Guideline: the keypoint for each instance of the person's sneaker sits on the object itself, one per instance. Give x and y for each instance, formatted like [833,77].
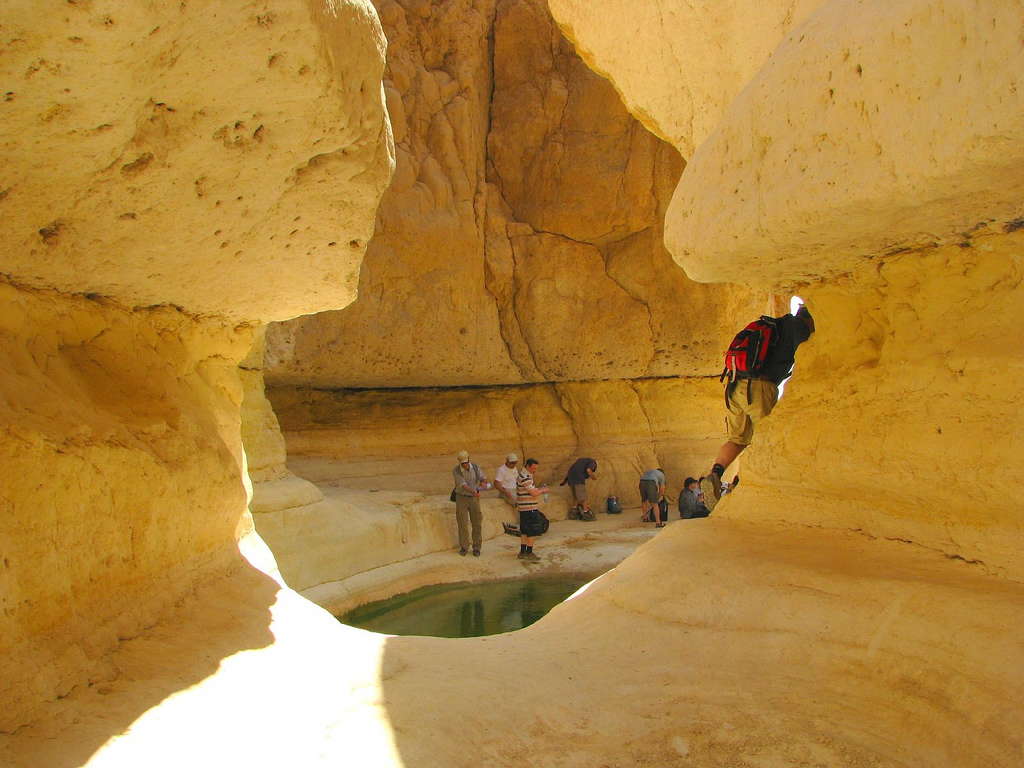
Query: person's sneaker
[532,556]
[463,552]
[712,488]
[522,555]
[476,553]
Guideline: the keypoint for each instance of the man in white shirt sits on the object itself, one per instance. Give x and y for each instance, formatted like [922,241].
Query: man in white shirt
[505,479]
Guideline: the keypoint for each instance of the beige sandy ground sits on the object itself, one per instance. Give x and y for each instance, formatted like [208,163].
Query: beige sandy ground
[717,643]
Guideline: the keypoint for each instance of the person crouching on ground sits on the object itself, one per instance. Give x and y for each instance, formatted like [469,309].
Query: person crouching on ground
[530,524]
[505,479]
[468,479]
[583,469]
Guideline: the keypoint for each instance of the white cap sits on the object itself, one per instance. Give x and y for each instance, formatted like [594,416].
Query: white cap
[512,457]
[463,456]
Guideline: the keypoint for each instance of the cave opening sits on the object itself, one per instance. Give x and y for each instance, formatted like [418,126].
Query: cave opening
[795,302]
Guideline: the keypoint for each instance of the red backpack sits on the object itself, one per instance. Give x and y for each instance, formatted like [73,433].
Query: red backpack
[750,349]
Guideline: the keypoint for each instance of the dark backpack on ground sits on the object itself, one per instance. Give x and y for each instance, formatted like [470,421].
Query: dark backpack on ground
[612,506]
[750,350]
[578,513]
[658,512]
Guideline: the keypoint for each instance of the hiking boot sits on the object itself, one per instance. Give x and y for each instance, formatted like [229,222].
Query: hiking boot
[522,555]
[532,556]
[463,552]
[712,488]
[476,553]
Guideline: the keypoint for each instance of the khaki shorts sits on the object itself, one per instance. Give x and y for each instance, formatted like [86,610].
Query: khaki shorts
[742,417]
[579,492]
[649,491]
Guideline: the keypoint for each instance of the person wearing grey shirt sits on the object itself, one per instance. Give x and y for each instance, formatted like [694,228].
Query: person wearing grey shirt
[652,489]
[468,480]
[690,503]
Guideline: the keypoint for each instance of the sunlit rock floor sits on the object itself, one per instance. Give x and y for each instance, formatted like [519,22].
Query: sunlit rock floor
[716,643]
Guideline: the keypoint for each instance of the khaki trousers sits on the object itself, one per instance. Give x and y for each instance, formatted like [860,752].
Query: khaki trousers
[467,510]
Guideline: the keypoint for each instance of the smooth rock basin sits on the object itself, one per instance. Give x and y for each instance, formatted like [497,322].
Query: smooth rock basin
[465,610]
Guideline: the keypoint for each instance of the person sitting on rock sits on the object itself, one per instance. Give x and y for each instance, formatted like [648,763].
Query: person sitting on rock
[505,479]
[750,398]
[691,503]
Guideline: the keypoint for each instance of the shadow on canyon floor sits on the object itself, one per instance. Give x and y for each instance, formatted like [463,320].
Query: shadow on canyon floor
[220,619]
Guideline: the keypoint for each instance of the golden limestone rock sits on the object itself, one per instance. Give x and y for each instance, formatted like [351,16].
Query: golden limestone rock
[678,64]
[521,238]
[172,175]
[860,139]
[229,172]
[177,174]
[870,164]
[536,275]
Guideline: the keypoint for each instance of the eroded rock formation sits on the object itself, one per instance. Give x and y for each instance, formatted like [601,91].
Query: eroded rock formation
[679,65]
[172,175]
[541,264]
[837,148]
[887,189]
[858,603]
[525,199]
[122,178]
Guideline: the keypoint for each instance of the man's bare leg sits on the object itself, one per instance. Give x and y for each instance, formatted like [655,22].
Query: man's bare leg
[727,454]
[711,485]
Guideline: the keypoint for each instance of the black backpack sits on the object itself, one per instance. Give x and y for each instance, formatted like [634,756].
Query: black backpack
[658,513]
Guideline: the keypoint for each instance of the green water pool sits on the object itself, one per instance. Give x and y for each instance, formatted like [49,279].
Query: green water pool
[465,610]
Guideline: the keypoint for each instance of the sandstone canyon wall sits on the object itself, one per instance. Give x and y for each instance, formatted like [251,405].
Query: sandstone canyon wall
[518,251]
[172,175]
[679,65]
[859,602]
[873,164]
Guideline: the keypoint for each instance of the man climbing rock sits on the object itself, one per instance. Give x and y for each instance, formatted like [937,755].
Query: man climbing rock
[760,358]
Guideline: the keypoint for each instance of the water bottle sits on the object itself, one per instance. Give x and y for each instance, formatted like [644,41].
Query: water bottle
[545,496]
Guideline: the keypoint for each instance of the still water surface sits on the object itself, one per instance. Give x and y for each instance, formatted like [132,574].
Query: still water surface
[465,610]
